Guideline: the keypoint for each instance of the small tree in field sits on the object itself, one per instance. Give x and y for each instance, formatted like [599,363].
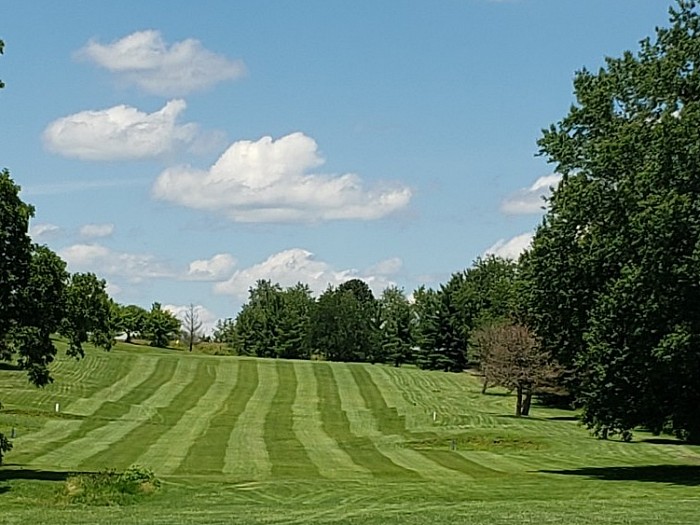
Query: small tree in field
[191,326]
[512,357]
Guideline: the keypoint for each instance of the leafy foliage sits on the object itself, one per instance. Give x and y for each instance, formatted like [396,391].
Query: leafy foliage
[130,319]
[343,324]
[87,314]
[161,326]
[613,276]
[395,326]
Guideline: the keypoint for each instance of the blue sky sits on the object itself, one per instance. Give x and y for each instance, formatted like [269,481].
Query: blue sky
[183,150]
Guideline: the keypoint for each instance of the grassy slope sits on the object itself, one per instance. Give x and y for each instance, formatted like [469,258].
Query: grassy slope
[260,441]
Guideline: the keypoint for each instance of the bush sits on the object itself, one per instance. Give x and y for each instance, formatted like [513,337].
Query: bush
[109,487]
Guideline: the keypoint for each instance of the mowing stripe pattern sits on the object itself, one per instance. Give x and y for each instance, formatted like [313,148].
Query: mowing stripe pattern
[246,455]
[173,444]
[102,438]
[328,456]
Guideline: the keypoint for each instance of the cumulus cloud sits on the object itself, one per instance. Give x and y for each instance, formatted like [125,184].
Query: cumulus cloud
[271,181]
[296,265]
[106,262]
[42,231]
[120,133]
[217,268]
[207,318]
[531,200]
[510,248]
[93,231]
[145,60]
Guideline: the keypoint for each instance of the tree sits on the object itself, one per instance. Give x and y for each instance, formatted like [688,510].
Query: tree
[395,326]
[257,323]
[612,283]
[294,321]
[87,314]
[439,341]
[42,305]
[511,356]
[224,331]
[341,325]
[131,320]
[161,326]
[191,326]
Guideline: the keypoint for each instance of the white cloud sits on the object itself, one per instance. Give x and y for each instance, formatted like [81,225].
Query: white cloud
[93,231]
[296,265]
[106,262]
[530,200]
[144,59]
[120,133]
[269,181]
[510,248]
[207,318]
[42,231]
[113,290]
[217,268]
[387,267]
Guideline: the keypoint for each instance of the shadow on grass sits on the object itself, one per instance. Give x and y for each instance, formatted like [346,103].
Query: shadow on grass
[564,418]
[663,441]
[10,366]
[688,475]
[10,474]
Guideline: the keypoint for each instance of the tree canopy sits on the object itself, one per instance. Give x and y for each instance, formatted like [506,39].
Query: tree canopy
[614,271]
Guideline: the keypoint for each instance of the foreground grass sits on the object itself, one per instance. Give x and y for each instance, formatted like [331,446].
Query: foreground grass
[240,440]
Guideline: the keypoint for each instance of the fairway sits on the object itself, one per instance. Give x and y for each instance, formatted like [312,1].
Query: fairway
[275,441]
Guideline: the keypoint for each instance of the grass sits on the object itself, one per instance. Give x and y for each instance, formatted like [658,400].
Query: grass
[241,440]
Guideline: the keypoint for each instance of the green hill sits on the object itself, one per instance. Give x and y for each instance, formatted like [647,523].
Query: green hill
[241,440]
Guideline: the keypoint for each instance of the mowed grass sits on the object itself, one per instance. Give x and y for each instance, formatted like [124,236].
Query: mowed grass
[242,440]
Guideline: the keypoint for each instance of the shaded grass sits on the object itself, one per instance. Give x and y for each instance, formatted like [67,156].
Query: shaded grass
[672,474]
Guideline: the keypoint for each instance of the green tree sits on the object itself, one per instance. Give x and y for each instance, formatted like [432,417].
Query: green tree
[131,320]
[258,322]
[439,341]
[612,283]
[294,322]
[224,331]
[395,326]
[161,326]
[87,314]
[342,328]
[42,310]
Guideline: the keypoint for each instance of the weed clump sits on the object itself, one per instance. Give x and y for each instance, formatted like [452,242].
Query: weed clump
[109,487]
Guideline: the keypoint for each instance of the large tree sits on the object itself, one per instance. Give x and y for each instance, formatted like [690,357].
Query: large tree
[613,277]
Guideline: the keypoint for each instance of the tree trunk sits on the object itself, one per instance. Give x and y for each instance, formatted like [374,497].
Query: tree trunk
[484,386]
[519,403]
[527,402]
